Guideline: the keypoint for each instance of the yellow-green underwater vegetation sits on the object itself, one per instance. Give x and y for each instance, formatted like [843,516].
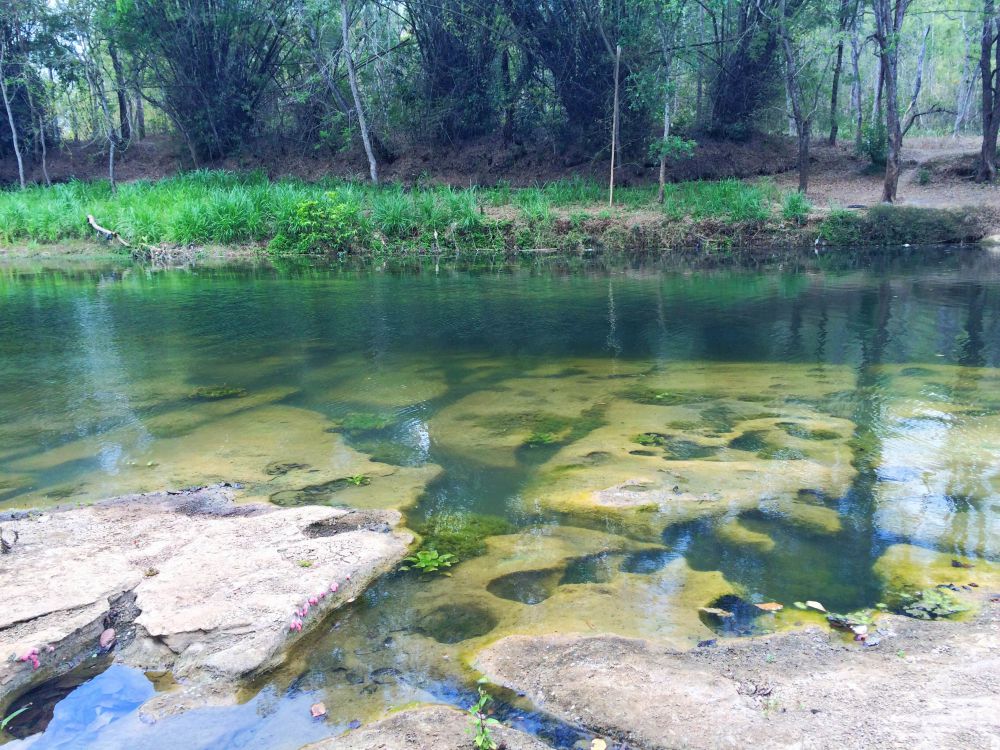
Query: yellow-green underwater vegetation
[632,449]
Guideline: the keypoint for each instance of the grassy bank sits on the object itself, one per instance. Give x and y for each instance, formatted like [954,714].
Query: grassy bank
[290,216]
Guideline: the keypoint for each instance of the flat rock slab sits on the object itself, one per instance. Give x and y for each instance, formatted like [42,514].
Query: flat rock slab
[191,582]
[427,728]
[926,685]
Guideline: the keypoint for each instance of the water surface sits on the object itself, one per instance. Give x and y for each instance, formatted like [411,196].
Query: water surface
[607,447]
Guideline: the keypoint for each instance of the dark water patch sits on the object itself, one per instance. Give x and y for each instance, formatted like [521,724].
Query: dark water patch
[280,468]
[454,623]
[596,568]
[217,392]
[678,449]
[643,453]
[317,494]
[803,432]
[647,561]
[730,615]
[751,441]
[527,586]
[917,372]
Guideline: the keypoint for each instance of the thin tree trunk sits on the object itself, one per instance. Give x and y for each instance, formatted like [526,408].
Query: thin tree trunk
[507,130]
[124,128]
[888,25]
[964,88]
[990,75]
[856,87]
[666,42]
[111,165]
[353,78]
[793,93]
[140,115]
[614,129]
[13,125]
[45,154]
[837,66]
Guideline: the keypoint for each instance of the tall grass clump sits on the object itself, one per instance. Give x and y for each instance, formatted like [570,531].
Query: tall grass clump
[729,199]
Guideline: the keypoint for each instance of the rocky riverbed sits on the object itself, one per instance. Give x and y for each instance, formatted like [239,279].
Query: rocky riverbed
[188,582]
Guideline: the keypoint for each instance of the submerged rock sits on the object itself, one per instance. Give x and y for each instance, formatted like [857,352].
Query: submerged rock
[231,593]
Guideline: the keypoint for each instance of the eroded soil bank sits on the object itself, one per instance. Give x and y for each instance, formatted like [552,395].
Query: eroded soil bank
[187,582]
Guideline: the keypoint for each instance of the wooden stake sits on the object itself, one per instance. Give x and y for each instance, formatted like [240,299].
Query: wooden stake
[614,128]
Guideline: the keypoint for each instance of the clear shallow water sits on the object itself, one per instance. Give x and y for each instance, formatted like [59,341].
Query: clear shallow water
[625,444]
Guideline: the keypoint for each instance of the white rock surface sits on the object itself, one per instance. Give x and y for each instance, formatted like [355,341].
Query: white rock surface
[191,582]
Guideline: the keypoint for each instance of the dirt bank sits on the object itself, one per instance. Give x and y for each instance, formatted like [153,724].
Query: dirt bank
[190,582]
[925,685]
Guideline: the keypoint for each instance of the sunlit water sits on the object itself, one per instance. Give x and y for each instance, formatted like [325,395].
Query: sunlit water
[624,443]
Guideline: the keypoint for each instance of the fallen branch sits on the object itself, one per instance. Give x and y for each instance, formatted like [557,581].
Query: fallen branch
[912,117]
[107,235]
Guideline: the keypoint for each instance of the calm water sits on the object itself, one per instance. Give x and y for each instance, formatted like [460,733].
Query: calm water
[609,448]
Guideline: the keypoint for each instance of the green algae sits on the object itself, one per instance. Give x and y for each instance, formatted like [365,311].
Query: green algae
[802,432]
[217,392]
[752,441]
[317,494]
[653,396]
[462,534]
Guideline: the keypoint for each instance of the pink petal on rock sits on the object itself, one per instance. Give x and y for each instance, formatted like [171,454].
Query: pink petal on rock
[313,600]
[318,710]
[107,639]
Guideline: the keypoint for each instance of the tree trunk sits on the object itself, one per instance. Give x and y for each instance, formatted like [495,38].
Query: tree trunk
[13,125]
[353,78]
[140,115]
[856,87]
[614,129]
[124,128]
[888,25]
[45,153]
[111,165]
[805,134]
[507,130]
[990,75]
[837,66]
[666,42]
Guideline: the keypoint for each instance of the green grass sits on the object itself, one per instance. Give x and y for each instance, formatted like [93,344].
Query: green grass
[225,208]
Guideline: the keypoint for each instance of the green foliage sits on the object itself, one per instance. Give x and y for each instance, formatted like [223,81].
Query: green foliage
[924,176]
[324,225]
[429,561]
[930,604]
[358,480]
[875,143]
[672,147]
[464,534]
[482,722]
[796,207]
[841,228]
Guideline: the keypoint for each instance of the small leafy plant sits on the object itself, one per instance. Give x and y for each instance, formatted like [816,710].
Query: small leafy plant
[796,208]
[8,719]
[482,722]
[358,480]
[429,561]
[672,147]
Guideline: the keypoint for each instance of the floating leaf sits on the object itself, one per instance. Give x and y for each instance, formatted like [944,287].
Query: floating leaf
[770,606]
[799,605]
[815,605]
[598,745]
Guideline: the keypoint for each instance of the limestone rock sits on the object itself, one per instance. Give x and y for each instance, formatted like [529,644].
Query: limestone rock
[190,582]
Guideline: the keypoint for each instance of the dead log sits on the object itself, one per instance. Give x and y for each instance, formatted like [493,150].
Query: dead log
[108,235]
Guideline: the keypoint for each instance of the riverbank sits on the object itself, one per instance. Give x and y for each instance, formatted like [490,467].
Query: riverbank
[227,214]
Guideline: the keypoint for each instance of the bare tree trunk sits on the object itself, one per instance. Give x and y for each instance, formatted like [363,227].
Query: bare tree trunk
[121,91]
[889,15]
[111,165]
[837,66]
[140,115]
[793,94]
[964,89]
[507,130]
[856,87]
[912,113]
[990,75]
[45,153]
[353,78]
[10,120]
[666,42]
[614,129]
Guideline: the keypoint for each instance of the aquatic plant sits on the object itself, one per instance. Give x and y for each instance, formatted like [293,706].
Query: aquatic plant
[217,392]
[358,480]
[464,534]
[429,561]
[481,721]
[930,604]
[365,421]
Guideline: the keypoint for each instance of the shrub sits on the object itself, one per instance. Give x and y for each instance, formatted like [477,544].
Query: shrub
[875,143]
[796,207]
[841,228]
[324,225]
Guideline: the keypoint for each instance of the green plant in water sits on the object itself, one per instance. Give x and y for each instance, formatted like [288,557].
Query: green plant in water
[358,480]
[536,439]
[464,534]
[9,718]
[365,422]
[217,392]
[482,722]
[930,604]
[429,561]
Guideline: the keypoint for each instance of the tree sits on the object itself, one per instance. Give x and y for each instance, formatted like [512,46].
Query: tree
[889,16]
[989,71]
[353,77]
[9,108]
[211,62]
